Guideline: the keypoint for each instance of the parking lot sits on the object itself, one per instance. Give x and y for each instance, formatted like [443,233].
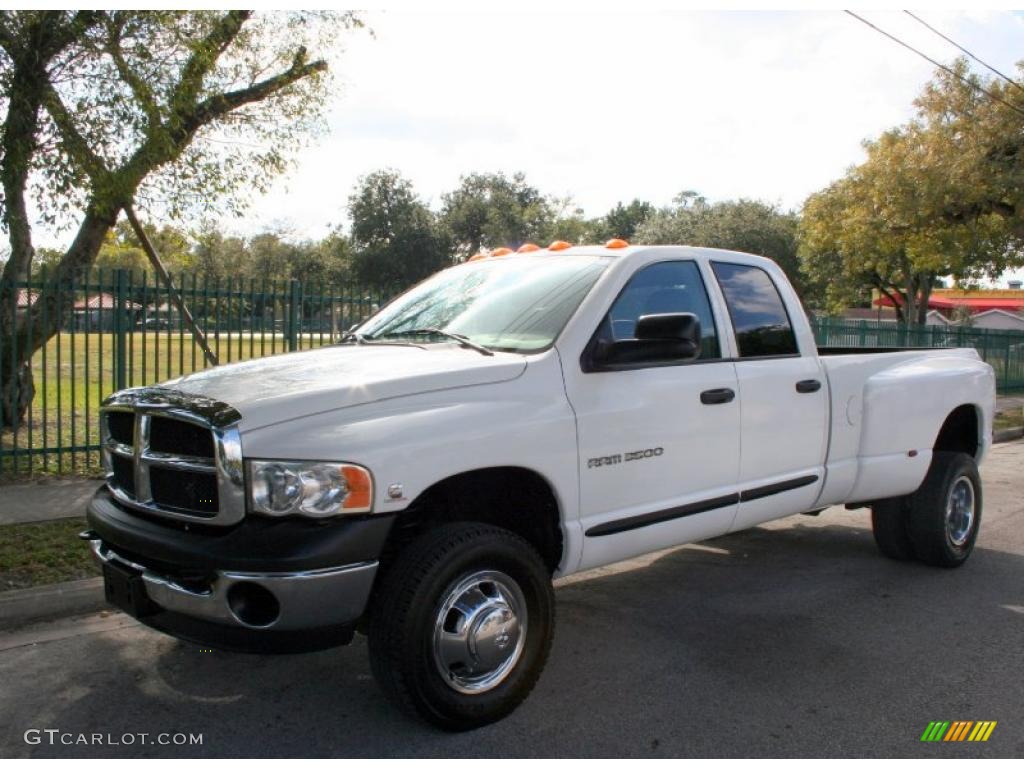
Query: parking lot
[792,639]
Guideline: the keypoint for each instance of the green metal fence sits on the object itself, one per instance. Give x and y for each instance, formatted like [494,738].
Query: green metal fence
[125,330]
[1003,350]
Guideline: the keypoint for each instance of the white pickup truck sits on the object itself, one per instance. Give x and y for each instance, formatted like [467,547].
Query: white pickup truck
[507,421]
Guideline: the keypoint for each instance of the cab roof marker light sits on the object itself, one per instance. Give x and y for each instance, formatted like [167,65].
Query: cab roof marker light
[559,245]
[477,257]
[500,252]
[528,248]
[616,243]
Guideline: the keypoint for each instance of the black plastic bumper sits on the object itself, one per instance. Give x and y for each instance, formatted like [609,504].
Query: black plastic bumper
[191,583]
[255,545]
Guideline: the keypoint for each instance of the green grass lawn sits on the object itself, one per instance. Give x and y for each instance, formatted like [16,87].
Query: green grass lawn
[1009,418]
[44,553]
[76,371]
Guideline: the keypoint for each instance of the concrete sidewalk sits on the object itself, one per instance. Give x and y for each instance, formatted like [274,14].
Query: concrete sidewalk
[45,500]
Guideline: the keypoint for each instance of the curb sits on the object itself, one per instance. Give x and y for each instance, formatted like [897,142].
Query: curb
[1006,435]
[51,601]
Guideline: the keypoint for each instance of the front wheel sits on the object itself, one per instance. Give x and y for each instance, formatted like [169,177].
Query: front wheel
[462,625]
[945,512]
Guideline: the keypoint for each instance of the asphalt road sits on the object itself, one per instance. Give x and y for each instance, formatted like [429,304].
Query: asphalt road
[792,639]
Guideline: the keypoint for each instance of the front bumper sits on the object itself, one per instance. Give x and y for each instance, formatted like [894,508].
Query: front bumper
[264,585]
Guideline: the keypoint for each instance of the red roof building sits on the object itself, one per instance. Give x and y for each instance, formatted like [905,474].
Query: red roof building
[946,300]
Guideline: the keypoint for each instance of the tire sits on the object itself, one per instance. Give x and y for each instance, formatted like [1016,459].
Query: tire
[889,524]
[416,652]
[945,512]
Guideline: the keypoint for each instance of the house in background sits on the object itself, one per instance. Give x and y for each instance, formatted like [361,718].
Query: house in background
[995,309]
[998,320]
[98,313]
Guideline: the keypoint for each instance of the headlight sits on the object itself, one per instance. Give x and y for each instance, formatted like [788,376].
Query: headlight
[310,488]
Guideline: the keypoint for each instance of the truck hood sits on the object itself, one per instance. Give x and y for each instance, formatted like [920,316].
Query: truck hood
[270,390]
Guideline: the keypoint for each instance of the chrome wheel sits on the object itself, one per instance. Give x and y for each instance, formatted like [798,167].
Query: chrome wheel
[480,631]
[960,512]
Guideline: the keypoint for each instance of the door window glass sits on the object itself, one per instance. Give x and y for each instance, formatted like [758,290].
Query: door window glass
[759,317]
[663,288]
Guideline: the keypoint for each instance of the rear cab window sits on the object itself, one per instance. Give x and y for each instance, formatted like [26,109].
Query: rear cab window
[759,317]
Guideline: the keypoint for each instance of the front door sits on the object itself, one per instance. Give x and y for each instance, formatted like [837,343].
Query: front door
[659,440]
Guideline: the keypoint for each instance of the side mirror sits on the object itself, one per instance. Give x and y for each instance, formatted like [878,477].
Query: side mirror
[667,338]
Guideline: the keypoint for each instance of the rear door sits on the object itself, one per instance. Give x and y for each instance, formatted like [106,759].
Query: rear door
[782,388]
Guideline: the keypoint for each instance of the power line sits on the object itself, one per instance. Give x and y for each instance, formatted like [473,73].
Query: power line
[922,22]
[943,67]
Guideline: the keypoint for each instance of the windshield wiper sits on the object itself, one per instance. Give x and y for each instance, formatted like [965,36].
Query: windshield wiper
[463,341]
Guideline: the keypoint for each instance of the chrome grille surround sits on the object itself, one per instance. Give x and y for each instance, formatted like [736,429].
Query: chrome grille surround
[226,464]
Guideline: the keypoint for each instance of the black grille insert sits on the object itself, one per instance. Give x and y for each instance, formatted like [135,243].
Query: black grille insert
[121,426]
[192,492]
[180,438]
[124,473]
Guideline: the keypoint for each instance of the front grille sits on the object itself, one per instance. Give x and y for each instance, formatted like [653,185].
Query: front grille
[122,426]
[180,438]
[123,471]
[165,456]
[189,492]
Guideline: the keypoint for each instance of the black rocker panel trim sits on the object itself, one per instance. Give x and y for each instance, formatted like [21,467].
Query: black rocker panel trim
[697,507]
[662,515]
[771,490]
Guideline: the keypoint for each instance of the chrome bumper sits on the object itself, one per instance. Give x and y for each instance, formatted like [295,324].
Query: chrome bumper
[305,600]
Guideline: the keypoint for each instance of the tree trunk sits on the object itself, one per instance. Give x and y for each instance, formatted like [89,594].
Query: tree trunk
[45,316]
[926,293]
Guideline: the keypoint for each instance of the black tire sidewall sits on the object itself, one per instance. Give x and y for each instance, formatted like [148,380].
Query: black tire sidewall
[928,510]
[488,549]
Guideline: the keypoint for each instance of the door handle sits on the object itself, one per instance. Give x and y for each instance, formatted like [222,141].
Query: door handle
[808,385]
[717,396]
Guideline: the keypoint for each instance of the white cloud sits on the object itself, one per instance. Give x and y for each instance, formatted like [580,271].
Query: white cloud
[607,106]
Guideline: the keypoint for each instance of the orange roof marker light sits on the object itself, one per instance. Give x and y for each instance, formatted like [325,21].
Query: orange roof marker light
[528,248]
[559,245]
[500,252]
[616,243]
[477,257]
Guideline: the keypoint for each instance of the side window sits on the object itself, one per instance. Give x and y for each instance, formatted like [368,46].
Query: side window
[666,287]
[758,315]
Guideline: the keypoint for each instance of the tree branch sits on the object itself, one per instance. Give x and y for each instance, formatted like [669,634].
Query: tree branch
[142,92]
[76,145]
[205,54]
[221,104]
[880,285]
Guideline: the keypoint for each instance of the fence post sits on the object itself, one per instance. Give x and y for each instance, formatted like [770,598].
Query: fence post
[293,315]
[1006,364]
[121,330]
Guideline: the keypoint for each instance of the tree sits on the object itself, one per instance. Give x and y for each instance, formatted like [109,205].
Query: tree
[918,208]
[179,111]
[741,225]
[622,221]
[978,145]
[396,239]
[491,210]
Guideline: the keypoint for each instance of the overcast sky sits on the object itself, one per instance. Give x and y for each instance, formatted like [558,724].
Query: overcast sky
[610,106]
[606,106]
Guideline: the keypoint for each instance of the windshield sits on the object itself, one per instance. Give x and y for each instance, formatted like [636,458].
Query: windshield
[516,304]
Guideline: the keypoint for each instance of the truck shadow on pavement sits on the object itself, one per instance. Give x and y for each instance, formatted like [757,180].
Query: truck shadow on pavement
[795,639]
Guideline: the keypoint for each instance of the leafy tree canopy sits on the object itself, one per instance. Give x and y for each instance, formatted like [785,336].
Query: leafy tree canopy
[938,196]
[741,225]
